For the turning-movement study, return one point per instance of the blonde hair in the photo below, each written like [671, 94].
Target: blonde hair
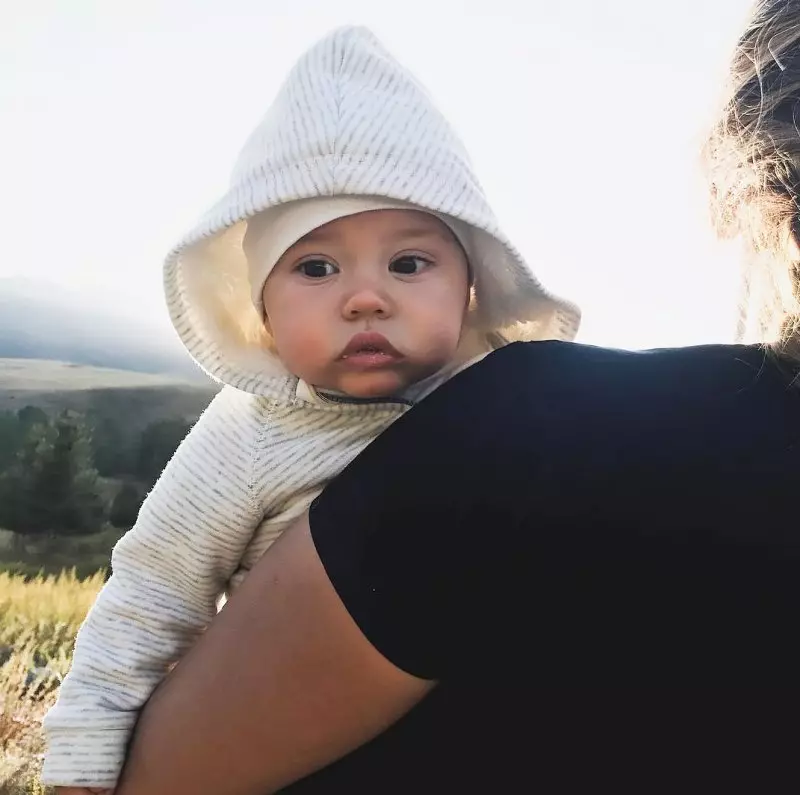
[752, 158]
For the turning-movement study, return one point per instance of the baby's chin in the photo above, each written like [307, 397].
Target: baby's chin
[373, 385]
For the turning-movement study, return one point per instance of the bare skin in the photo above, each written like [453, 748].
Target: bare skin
[83, 791]
[309, 689]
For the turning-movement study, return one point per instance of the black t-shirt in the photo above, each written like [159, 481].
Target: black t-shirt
[591, 550]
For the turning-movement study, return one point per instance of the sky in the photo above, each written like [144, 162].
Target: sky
[121, 119]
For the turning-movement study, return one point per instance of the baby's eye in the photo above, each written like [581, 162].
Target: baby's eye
[409, 265]
[317, 268]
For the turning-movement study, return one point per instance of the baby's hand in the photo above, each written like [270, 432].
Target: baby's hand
[84, 791]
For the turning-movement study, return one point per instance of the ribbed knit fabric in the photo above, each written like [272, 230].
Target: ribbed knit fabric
[248, 468]
[349, 121]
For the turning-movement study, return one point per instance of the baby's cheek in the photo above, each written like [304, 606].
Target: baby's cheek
[305, 351]
[443, 340]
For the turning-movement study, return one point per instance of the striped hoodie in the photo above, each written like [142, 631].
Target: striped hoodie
[348, 121]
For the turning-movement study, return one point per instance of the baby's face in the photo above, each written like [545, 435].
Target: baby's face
[370, 303]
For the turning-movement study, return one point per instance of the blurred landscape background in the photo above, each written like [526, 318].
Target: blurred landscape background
[89, 416]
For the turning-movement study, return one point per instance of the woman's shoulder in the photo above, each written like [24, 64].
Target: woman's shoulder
[584, 399]
[582, 373]
[578, 360]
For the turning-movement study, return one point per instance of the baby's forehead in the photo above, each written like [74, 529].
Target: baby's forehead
[387, 224]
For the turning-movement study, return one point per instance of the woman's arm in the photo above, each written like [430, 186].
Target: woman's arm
[345, 624]
[324, 687]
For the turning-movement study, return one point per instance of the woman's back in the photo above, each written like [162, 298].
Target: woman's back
[622, 525]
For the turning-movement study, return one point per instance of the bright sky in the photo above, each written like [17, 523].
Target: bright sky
[120, 121]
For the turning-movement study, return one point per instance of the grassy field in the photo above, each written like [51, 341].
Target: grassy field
[39, 618]
[84, 554]
[46, 588]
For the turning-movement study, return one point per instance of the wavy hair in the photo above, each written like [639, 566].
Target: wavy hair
[752, 159]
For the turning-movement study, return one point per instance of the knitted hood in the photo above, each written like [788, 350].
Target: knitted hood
[348, 121]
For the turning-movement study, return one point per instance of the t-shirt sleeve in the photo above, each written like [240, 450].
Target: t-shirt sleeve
[566, 514]
[410, 533]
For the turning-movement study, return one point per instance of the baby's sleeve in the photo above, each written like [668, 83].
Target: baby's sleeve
[168, 573]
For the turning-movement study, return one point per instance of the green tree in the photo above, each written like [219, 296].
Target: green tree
[52, 486]
[114, 446]
[159, 442]
[13, 430]
[11, 435]
[32, 415]
[21, 510]
[125, 507]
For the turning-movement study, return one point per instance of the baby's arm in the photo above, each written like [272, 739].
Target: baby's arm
[168, 573]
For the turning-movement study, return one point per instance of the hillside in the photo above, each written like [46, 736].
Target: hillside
[135, 399]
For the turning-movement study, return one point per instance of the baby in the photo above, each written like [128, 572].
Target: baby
[352, 267]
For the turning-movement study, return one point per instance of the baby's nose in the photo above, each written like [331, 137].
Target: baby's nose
[366, 302]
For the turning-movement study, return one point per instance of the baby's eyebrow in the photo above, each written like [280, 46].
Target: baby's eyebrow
[322, 236]
[422, 232]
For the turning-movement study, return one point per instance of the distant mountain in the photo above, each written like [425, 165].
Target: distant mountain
[127, 398]
[37, 322]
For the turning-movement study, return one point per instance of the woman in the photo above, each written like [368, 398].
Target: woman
[611, 553]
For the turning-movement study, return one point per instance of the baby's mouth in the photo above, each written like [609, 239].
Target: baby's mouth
[369, 348]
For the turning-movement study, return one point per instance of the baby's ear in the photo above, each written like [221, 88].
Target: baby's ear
[263, 311]
[472, 299]
[267, 340]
